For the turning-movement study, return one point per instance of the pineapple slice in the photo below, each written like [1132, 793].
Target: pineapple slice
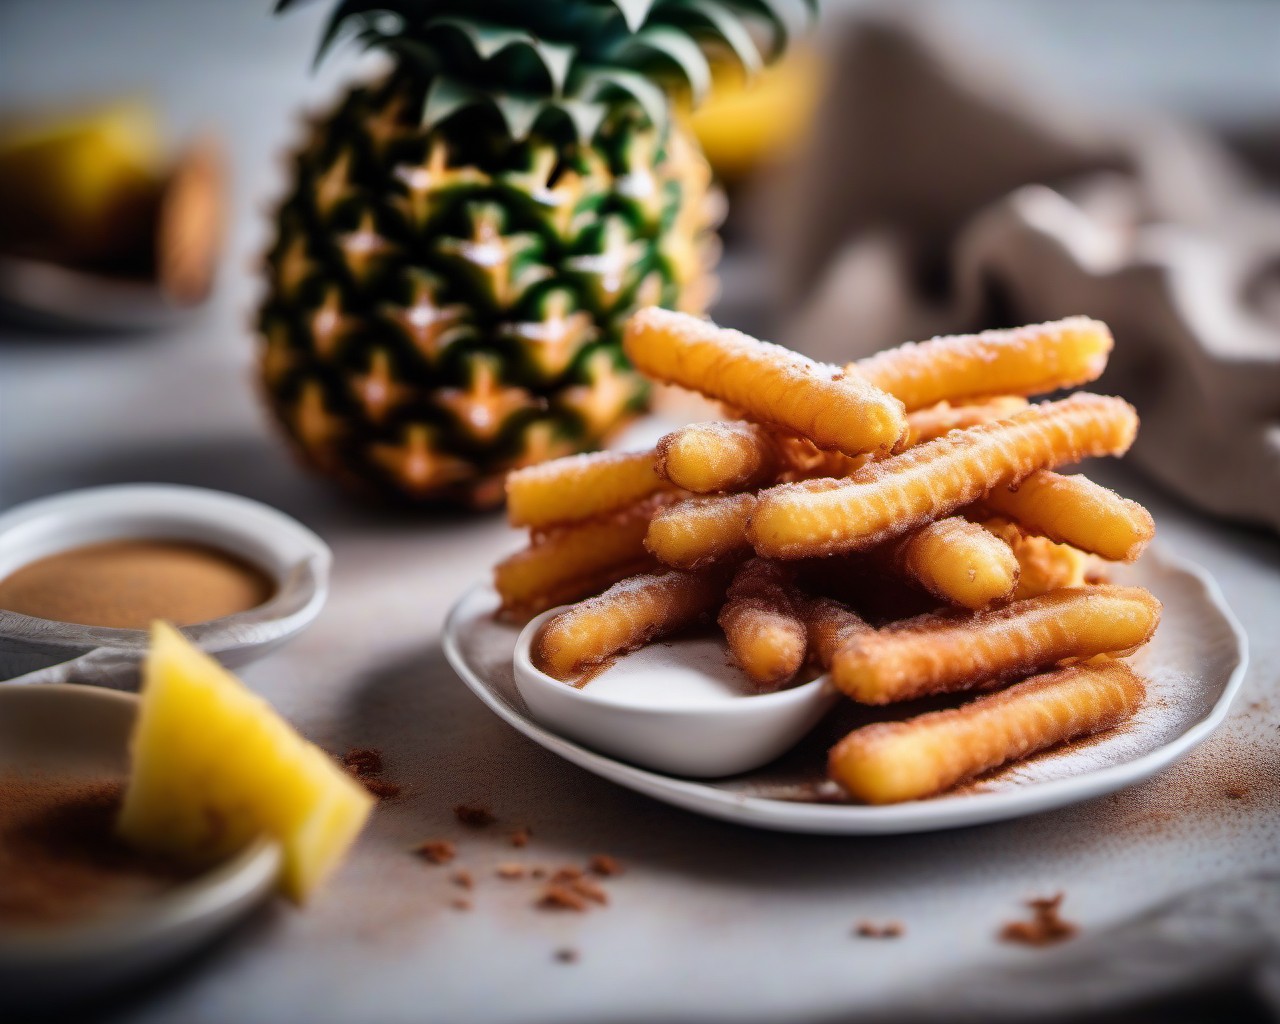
[214, 766]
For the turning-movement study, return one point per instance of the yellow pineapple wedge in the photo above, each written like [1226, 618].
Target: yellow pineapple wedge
[214, 766]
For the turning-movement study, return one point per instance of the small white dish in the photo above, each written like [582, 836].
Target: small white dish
[1194, 667]
[677, 706]
[36, 650]
[83, 732]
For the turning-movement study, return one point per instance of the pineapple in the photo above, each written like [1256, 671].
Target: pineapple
[214, 766]
[464, 237]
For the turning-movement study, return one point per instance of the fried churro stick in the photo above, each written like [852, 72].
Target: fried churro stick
[579, 487]
[894, 761]
[830, 625]
[761, 621]
[926, 424]
[628, 615]
[1043, 565]
[948, 653]
[885, 499]
[767, 382]
[1028, 360]
[574, 561]
[734, 455]
[697, 531]
[955, 560]
[1074, 510]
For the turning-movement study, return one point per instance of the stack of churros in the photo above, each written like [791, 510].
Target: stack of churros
[923, 469]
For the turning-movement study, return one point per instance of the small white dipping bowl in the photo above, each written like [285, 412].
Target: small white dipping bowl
[677, 706]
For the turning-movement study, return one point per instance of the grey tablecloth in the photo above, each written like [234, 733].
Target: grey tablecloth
[1171, 881]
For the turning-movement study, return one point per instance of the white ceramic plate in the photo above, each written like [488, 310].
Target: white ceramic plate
[1194, 666]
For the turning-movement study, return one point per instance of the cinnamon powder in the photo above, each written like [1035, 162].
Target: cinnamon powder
[60, 858]
[127, 584]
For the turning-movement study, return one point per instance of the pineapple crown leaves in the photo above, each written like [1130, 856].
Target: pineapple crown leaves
[564, 62]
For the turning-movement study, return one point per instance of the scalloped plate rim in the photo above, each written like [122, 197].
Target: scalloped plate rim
[935, 814]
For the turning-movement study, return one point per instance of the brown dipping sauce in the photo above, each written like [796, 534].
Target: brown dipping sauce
[60, 858]
[127, 584]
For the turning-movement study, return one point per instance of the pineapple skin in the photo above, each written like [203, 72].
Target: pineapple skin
[214, 766]
[446, 305]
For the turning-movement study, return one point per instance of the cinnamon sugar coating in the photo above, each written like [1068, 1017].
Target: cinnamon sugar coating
[762, 623]
[951, 652]
[726, 456]
[888, 498]
[956, 561]
[768, 383]
[695, 532]
[890, 762]
[628, 615]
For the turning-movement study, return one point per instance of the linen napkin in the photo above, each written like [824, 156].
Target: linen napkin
[938, 194]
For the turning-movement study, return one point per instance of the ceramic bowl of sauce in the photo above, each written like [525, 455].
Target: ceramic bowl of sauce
[80, 911]
[678, 706]
[82, 574]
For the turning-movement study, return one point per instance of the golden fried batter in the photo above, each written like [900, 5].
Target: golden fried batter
[628, 615]
[579, 487]
[948, 653]
[766, 382]
[830, 625]
[733, 455]
[1074, 510]
[888, 498]
[935, 420]
[956, 561]
[1029, 360]
[890, 762]
[1043, 565]
[697, 531]
[573, 561]
[762, 623]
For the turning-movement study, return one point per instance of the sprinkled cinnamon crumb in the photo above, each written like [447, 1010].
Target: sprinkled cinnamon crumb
[1236, 792]
[1045, 927]
[590, 889]
[520, 837]
[362, 762]
[567, 955]
[605, 866]
[462, 878]
[437, 851]
[511, 871]
[568, 873]
[871, 930]
[474, 815]
[380, 788]
[366, 765]
[561, 897]
[460, 903]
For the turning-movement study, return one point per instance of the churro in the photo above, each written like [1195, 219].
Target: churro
[955, 560]
[762, 622]
[890, 762]
[948, 653]
[579, 487]
[830, 626]
[935, 420]
[1074, 510]
[628, 615]
[1030, 360]
[768, 383]
[728, 456]
[574, 561]
[697, 531]
[1043, 564]
[885, 499]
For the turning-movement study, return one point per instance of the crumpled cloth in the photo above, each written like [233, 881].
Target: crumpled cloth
[937, 195]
